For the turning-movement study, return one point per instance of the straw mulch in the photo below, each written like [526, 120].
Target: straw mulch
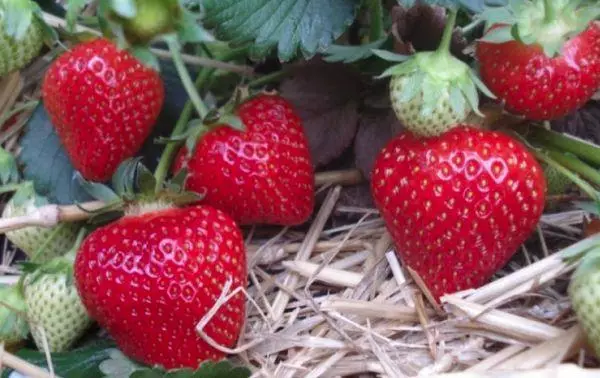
[335, 301]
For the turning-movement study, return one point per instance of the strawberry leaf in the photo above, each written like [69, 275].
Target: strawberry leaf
[289, 26]
[80, 362]
[221, 369]
[46, 163]
[326, 97]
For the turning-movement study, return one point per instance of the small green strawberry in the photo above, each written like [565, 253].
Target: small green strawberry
[54, 305]
[21, 34]
[13, 322]
[556, 182]
[38, 243]
[584, 292]
[432, 91]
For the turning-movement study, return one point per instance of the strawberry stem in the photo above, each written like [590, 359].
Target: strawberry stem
[268, 78]
[575, 165]
[201, 108]
[444, 47]
[556, 160]
[584, 150]
[376, 21]
[171, 148]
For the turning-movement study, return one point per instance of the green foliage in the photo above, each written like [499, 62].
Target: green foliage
[46, 162]
[80, 362]
[289, 26]
[222, 369]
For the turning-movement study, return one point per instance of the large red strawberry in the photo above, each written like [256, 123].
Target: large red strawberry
[149, 278]
[103, 103]
[552, 68]
[261, 175]
[458, 205]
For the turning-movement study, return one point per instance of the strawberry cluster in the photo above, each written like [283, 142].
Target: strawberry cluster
[459, 199]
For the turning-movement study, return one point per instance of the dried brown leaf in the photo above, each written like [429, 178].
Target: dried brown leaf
[326, 96]
[376, 128]
[420, 28]
[584, 123]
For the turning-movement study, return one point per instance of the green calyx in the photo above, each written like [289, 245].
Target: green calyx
[437, 74]
[13, 309]
[589, 264]
[134, 189]
[547, 23]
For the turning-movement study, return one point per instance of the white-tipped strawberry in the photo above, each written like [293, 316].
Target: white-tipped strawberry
[584, 292]
[38, 243]
[55, 311]
[13, 322]
[433, 91]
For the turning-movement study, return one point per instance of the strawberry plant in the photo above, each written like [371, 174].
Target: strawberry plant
[257, 183]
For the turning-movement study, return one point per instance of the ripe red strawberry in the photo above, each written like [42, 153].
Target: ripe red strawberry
[458, 205]
[149, 279]
[103, 103]
[261, 175]
[552, 74]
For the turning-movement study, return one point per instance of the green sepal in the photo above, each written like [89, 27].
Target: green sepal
[145, 179]
[589, 264]
[412, 86]
[351, 54]
[178, 180]
[500, 34]
[431, 95]
[457, 101]
[195, 131]
[469, 90]
[123, 180]
[182, 198]
[96, 190]
[145, 55]
[405, 68]
[9, 172]
[74, 7]
[13, 315]
[190, 30]
[390, 56]
[528, 22]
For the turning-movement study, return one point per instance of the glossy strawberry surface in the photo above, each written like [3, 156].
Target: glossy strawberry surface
[150, 278]
[537, 86]
[261, 175]
[103, 104]
[458, 206]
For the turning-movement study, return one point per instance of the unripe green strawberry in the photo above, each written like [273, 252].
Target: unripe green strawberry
[53, 305]
[432, 91]
[419, 117]
[18, 45]
[13, 322]
[150, 19]
[55, 240]
[556, 182]
[584, 292]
